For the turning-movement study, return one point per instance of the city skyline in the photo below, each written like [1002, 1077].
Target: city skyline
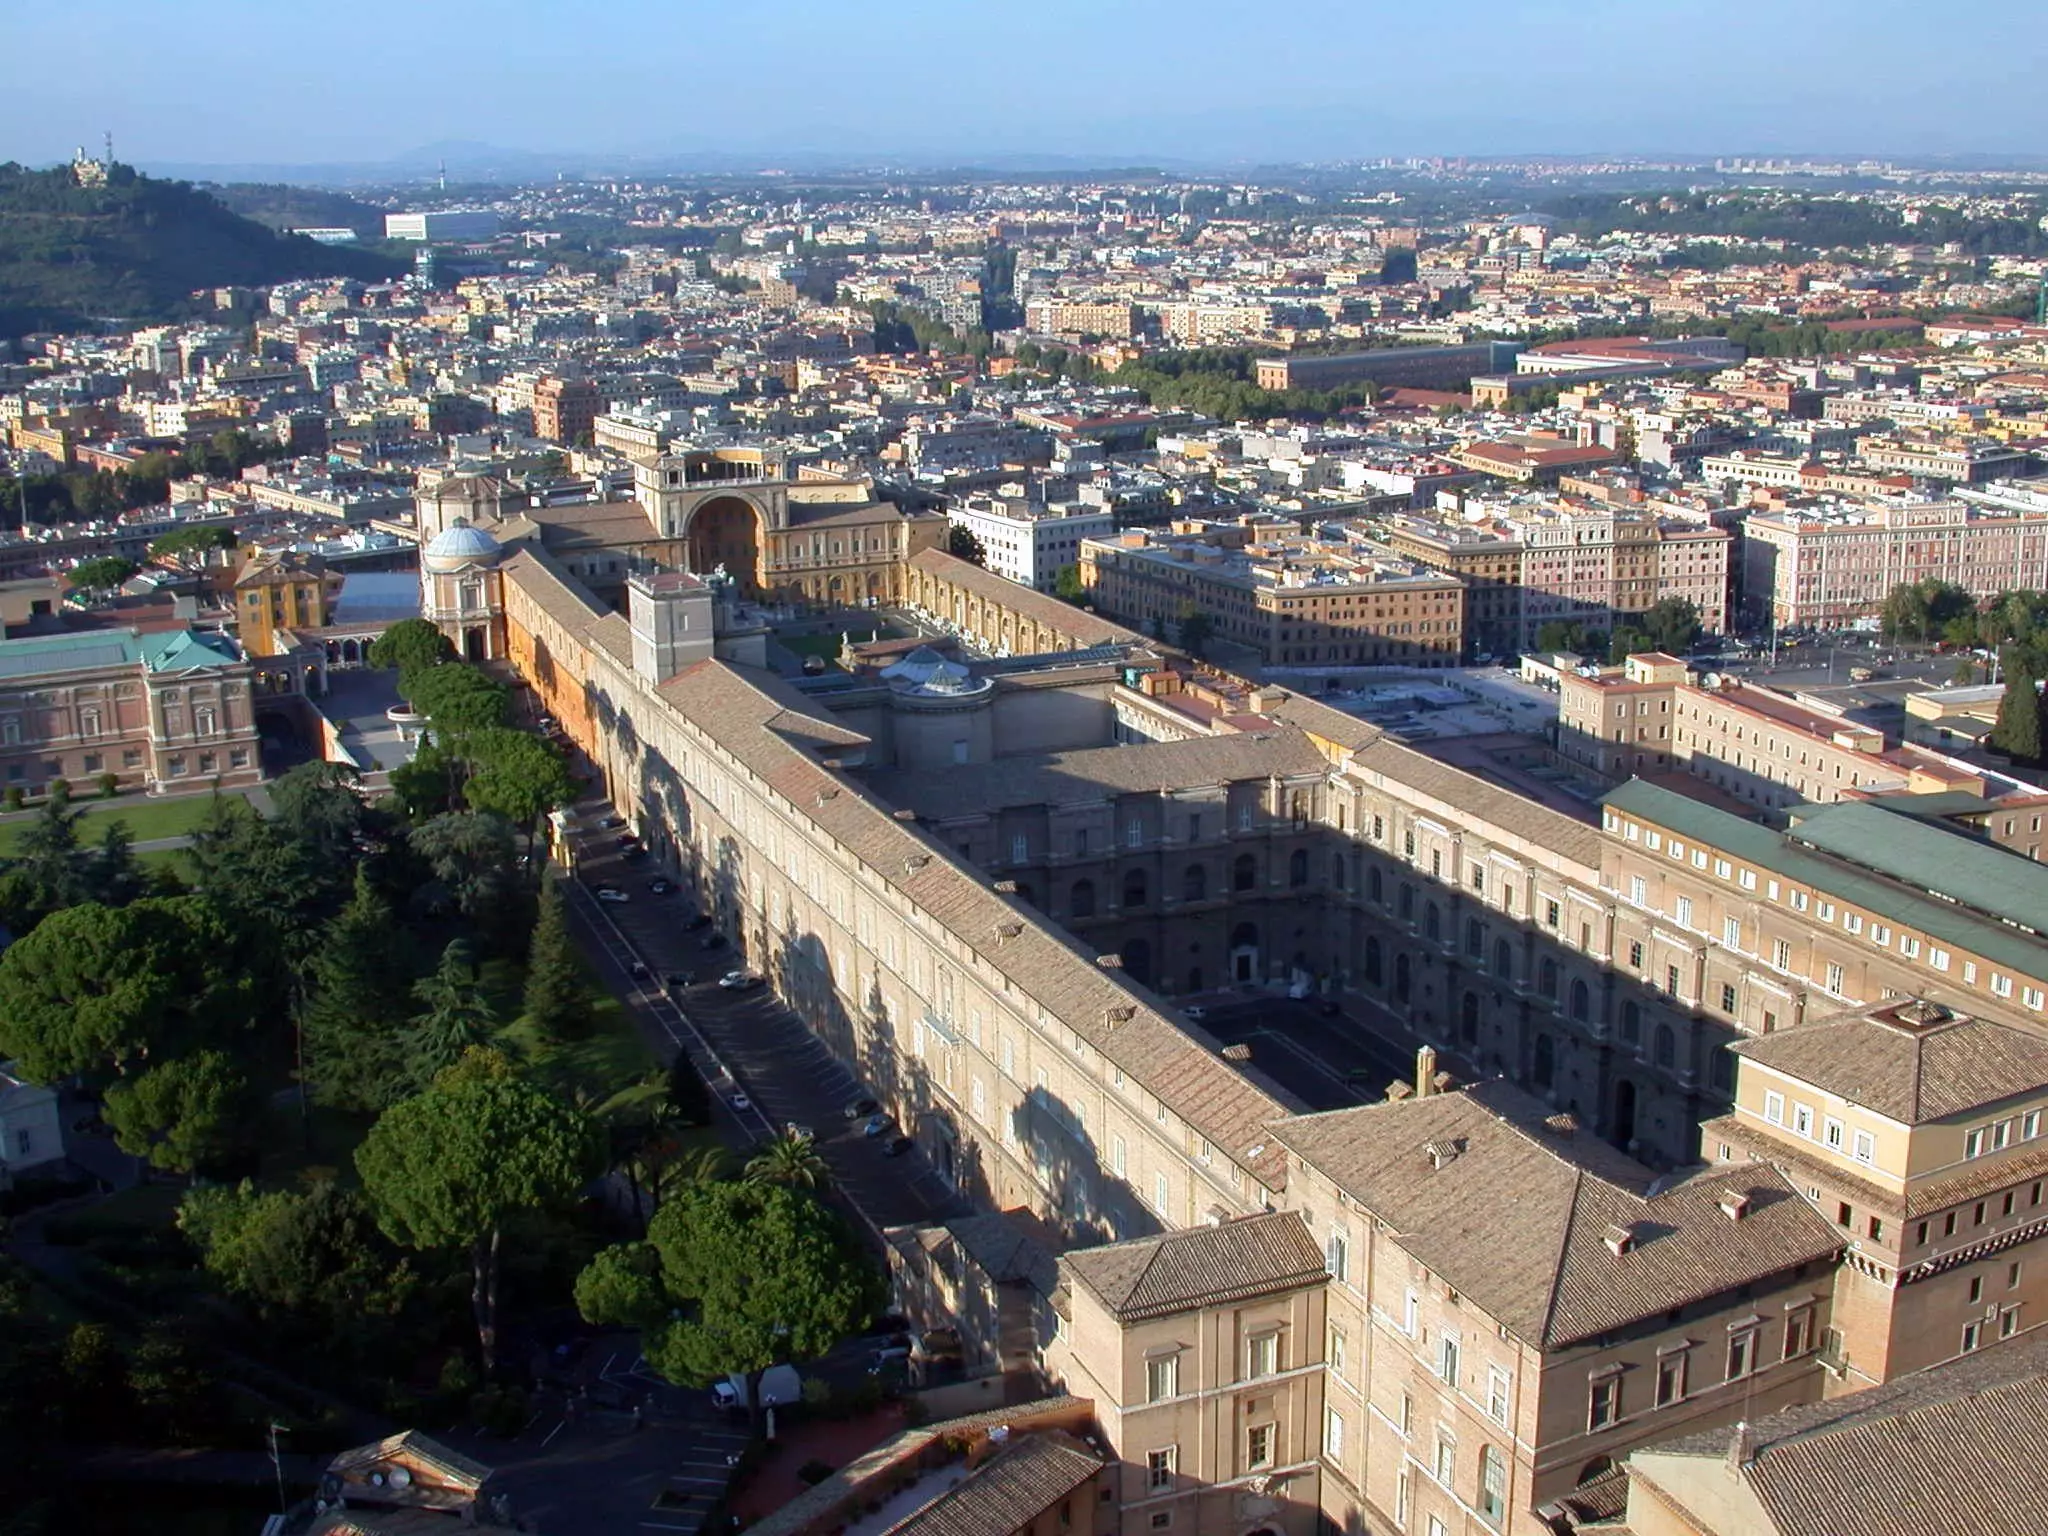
[922, 84]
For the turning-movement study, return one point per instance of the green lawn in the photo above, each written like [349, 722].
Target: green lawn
[613, 1056]
[148, 820]
[126, 1213]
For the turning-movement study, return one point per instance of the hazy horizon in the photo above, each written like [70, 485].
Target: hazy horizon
[920, 81]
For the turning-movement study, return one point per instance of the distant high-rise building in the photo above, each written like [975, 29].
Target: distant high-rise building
[565, 409]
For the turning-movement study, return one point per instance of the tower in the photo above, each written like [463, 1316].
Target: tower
[462, 592]
[670, 613]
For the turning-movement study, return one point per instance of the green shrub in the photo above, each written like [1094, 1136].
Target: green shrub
[12, 799]
[60, 792]
[110, 785]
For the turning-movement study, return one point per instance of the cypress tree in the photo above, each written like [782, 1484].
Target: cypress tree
[357, 1003]
[557, 999]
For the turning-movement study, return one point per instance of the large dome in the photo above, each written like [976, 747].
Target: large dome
[460, 544]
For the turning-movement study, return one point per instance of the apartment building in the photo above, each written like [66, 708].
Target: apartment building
[1932, 1451]
[1202, 1351]
[280, 591]
[1761, 745]
[1486, 557]
[1961, 461]
[1030, 543]
[1076, 317]
[1826, 566]
[1431, 367]
[1915, 1130]
[1484, 1357]
[1754, 930]
[566, 410]
[1290, 601]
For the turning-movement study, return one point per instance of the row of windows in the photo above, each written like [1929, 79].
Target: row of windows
[1607, 1394]
[1833, 1134]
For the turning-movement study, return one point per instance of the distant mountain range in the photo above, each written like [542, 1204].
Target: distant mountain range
[135, 250]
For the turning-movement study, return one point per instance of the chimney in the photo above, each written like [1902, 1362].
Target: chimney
[1734, 1204]
[1741, 1447]
[1425, 1071]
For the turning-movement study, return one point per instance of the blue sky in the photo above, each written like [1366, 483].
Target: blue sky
[297, 80]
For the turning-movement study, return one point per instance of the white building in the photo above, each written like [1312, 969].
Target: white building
[31, 1132]
[1031, 545]
[448, 224]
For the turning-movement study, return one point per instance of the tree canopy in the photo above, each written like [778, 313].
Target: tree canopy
[733, 1277]
[448, 1167]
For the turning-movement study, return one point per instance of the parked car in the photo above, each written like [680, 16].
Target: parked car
[676, 981]
[881, 1359]
[739, 1101]
[1195, 1013]
[860, 1108]
[661, 885]
[638, 970]
[608, 822]
[878, 1125]
[739, 981]
[612, 893]
[897, 1146]
[798, 1132]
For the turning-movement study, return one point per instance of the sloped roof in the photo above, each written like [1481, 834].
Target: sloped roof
[1944, 1449]
[1433, 1170]
[1202, 1266]
[1011, 1489]
[1905, 1073]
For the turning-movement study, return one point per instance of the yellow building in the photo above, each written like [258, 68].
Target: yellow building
[283, 590]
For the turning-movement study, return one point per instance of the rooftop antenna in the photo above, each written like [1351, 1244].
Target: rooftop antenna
[444, 173]
[110, 148]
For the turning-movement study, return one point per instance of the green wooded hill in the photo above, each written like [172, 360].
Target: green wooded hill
[282, 206]
[136, 249]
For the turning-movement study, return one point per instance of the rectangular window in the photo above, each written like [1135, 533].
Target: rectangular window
[1671, 1379]
[1682, 911]
[1159, 1466]
[1258, 1446]
[1728, 1000]
[1781, 954]
[1832, 1132]
[1833, 983]
[1337, 1351]
[1973, 1334]
[1798, 1332]
[1866, 1147]
[1638, 890]
[1162, 1378]
[1498, 1385]
[1774, 1108]
[1446, 1460]
[1603, 1405]
[1973, 1142]
[1802, 1119]
[1118, 1155]
[1337, 1256]
[1741, 1354]
[1447, 1358]
[1937, 957]
[2030, 1125]
[1162, 1194]
[1333, 1434]
[1411, 1309]
[1261, 1356]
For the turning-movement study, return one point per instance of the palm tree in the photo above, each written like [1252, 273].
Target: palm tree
[790, 1159]
[665, 1166]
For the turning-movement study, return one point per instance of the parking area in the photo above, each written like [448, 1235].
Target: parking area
[767, 1070]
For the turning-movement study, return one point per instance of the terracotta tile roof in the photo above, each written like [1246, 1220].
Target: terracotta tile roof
[1202, 1266]
[1085, 629]
[1432, 1169]
[1010, 1490]
[1944, 1449]
[1906, 1073]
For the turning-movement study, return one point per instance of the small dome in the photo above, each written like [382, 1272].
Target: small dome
[460, 544]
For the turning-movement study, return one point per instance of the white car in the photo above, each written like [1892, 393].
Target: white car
[739, 981]
[739, 1101]
[1196, 1012]
[612, 893]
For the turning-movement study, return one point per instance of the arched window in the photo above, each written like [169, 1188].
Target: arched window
[1194, 883]
[1432, 921]
[1375, 884]
[1081, 900]
[1546, 978]
[1297, 868]
[1468, 1018]
[1545, 1069]
[1665, 1051]
[1475, 938]
[1244, 874]
[1401, 977]
[1504, 960]
[1631, 1023]
[1134, 888]
[1340, 874]
[1581, 1003]
[1373, 972]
